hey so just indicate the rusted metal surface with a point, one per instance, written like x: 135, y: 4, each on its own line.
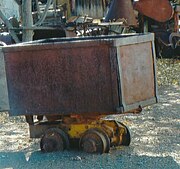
x: 121, y: 9
x: 54, y: 139
x: 138, y: 79
x: 133, y: 49
x: 62, y: 78
x: 87, y: 76
x: 94, y: 141
x: 159, y: 10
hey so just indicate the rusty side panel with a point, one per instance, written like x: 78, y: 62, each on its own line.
x: 159, y: 10
x: 61, y: 79
x: 137, y: 72
x: 4, y: 104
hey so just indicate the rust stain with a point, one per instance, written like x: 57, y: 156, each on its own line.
x: 71, y: 78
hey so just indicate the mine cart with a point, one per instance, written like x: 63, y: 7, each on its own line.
x: 66, y: 87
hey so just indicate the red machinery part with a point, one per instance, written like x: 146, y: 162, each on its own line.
x: 159, y: 10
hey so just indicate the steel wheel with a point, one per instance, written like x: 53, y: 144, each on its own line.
x: 107, y: 143
x: 126, y: 136
x: 54, y: 139
x: 95, y: 141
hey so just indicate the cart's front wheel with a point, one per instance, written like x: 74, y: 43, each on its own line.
x: 54, y: 139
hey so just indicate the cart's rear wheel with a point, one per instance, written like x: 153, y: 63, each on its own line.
x: 54, y: 139
x: 126, y: 136
x: 95, y: 141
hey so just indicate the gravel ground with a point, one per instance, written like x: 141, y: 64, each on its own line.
x: 168, y: 71
x: 155, y: 136
x: 155, y: 142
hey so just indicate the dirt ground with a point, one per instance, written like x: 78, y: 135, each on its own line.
x: 155, y: 142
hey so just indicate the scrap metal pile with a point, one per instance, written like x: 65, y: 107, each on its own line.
x: 158, y: 16
x: 59, y: 18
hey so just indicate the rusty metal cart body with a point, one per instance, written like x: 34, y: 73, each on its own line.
x: 65, y: 87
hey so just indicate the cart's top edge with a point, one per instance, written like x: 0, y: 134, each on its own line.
x: 122, y: 39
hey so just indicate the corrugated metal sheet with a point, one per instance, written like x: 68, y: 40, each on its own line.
x: 92, y: 8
